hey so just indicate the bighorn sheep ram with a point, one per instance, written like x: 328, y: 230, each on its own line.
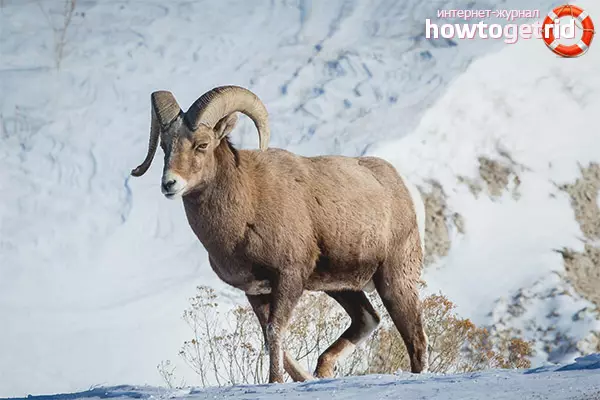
x: 275, y: 224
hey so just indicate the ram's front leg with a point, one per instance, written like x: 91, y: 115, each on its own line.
x: 285, y: 295
x: 261, y: 304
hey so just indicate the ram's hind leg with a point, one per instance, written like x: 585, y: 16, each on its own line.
x: 261, y: 304
x: 397, y: 286
x: 364, y: 321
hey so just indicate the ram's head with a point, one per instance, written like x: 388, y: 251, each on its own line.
x: 189, y: 139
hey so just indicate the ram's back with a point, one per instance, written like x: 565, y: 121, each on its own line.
x: 354, y: 209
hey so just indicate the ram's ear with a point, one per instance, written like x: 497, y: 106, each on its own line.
x: 225, y: 125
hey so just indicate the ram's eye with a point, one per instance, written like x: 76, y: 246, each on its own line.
x: 201, y: 146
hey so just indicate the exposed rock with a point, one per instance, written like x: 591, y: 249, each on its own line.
x: 584, y: 200
x: 472, y: 184
x: 583, y: 268
x: 495, y: 177
x: 438, y: 222
x: 583, y: 271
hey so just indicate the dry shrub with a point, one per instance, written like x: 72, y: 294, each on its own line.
x: 455, y: 344
x: 167, y: 372
x: 317, y: 322
x: 227, y: 347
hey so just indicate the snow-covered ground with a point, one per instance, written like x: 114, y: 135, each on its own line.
x: 576, y: 381
x: 96, y: 268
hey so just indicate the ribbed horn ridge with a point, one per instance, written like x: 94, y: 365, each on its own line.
x: 221, y: 101
x: 166, y: 107
x: 164, y: 110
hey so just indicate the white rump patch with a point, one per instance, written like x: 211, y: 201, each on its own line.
x: 419, y: 208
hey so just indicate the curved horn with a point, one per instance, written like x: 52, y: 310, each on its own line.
x: 221, y: 101
x: 164, y: 110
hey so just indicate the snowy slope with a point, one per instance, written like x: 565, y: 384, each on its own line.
x: 95, y: 268
x: 577, y: 381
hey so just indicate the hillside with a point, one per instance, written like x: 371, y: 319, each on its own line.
x: 96, y: 267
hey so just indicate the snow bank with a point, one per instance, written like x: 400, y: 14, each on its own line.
x: 576, y: 381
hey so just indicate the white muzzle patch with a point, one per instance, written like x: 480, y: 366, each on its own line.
x: 173, y: 185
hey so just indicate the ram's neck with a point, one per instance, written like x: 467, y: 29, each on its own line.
x: 218, y: 214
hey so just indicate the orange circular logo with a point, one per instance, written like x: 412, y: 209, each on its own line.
x: 577, y: 14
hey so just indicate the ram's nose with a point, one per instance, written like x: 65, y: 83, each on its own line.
x: 173, y: 185
x: 166, y: 186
